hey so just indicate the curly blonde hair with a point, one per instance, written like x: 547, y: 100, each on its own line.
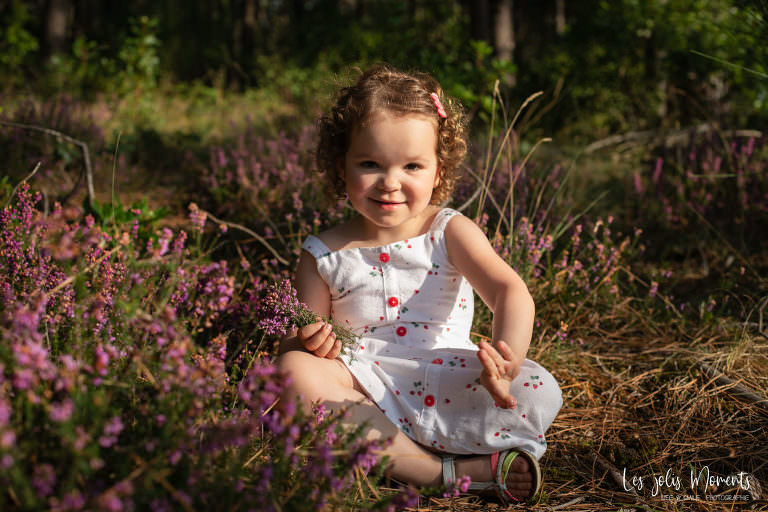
x: 384, y: 88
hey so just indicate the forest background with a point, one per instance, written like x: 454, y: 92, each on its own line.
x: 157, y: 177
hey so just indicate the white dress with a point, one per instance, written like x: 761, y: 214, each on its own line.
x: 413, y: 311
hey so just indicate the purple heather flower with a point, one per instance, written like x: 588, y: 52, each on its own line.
x: 654, y: 289
x: 7, y: 439
x: 73, y: 500
x: 62, y: 411
x: 164, y: 241
x: 409, y: 498
x: 44, y: 479
x: 111, y: 431
x: 197, y: 217
x: 5, y: 411
x: 160, y: 505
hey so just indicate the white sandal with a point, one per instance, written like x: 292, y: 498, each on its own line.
x: 500, y: 471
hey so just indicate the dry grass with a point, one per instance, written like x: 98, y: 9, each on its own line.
x: 641, y: 403
x: 637, y: 399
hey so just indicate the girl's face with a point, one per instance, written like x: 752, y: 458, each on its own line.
x: 390, y: 170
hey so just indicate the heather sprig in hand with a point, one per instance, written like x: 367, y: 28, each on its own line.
x: 281, y: 309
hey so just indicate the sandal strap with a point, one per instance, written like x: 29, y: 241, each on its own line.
x: 449, y: 470
x: 537, y: 475
x: 502, y: 464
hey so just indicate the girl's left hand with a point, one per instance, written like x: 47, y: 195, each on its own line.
x: 500, y: 367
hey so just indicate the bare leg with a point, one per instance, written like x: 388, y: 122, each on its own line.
x: 330, y: 382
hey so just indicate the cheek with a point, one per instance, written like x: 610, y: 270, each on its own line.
x: 356, y: 185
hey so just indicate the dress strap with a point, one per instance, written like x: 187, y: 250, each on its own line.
x: 315, y: 247
x: 442, y: 218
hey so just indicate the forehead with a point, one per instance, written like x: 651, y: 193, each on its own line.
x: 388, y: 136
x: 388, y: 125
x: 389, y: 115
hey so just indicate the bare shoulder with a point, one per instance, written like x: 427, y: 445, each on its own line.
x: 462, y: 233
x: 339, y: 236
x: 475, y: 258
x: 468, y: 247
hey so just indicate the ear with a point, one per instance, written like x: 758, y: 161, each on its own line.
x: 340, y: 168
x: 437, y: 176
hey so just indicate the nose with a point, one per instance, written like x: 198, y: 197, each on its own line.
x: 390, y: 181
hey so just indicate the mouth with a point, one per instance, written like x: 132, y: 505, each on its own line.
x: 387, y: 203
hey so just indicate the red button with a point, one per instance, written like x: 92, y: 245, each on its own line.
x: 393, y: 301
x: 383, y: 257
x: 401, y: 331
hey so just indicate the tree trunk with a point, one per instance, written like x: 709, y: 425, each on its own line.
x: 249, y: 35
x: 504, y: 31
x: 504, y: 37
x: 560, y: 17
x: 58, y: 24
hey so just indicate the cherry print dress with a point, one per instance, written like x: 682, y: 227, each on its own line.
x: 413, y: 311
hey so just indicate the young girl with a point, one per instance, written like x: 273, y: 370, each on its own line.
x: 401, y: 274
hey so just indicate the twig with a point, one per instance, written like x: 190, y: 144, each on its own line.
x: 760, y: 310
x: 255, y: 235
x: 13, y: 192
x: 567, y: 503
x: 71, y: 278
x: 81, y: 144
x: 614, y: 472
x: 661, y: 295
x: 734, y: 387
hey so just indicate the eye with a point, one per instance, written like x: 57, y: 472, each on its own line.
x: 369, y: 164
x: 413, y: 166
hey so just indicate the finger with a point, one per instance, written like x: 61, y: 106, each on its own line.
x: 317, y: 339
x: 497, y: 359
x: 505, y: 351
x: 326, y: 347
x: 335, y: 351
x: 489, y: 366
x: 309, y: 330
x: 502, y: 395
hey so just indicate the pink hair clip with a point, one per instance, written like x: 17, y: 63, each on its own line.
x: 438, y: 105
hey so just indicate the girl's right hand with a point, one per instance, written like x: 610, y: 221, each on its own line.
x: 320, y: 340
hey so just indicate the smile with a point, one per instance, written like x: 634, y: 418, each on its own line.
x: 394, y: 203
x: 387, y: 205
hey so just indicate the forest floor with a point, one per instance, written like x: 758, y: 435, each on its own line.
x: 648, y: 407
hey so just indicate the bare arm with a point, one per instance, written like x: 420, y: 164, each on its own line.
x: 312, y: 291
x: 505, y: 293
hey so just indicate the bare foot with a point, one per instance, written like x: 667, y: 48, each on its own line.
x: 519, y: 478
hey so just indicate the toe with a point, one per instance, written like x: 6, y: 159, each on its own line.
x: 520, y: 478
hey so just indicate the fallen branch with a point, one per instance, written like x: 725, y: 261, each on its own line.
x: 674, y: 138
x: 734, y: 387
x: 567, y: 504
x: 83, y: 146
x: 250, y: 232
x: 16, y: 188
x: 614, y: 472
